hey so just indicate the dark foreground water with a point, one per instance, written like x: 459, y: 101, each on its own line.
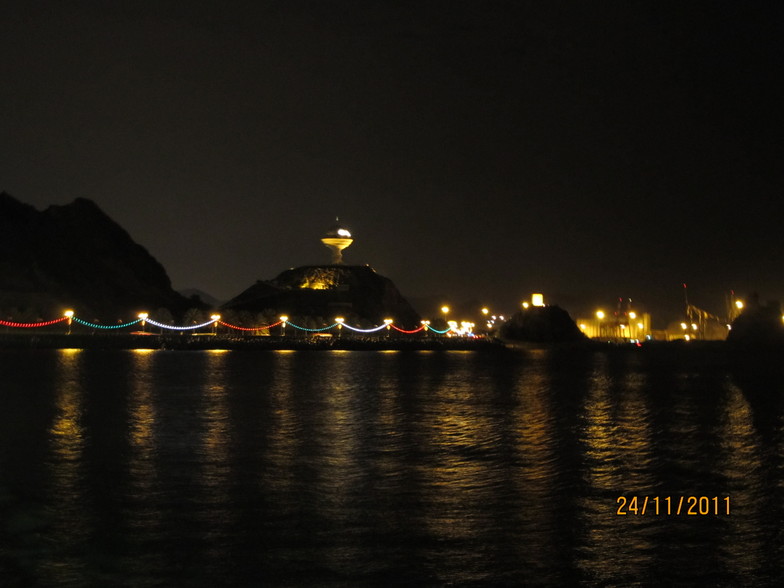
x: 330, y: 468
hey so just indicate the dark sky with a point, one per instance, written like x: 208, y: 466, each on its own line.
x: 477, y: 150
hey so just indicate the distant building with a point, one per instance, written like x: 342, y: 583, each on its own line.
x: 623, y: 325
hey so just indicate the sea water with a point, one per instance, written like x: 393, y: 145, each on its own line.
x: 367, y: 468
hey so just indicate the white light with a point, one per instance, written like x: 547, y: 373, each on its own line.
x: 343, y: 233
x: 537, y: 299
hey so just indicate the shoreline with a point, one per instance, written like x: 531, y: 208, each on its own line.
x: 212, y: 342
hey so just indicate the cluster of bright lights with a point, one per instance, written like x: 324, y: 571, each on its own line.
x: 464, y: 329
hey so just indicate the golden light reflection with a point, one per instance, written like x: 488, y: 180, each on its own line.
x: 67, y: 441
x: 143, y: 442
x: 536, y: 453
x: 743, y: 465
x: 612, y: 434
x: 461, y: 481
x: 284, y: 427
x: 214, y: 453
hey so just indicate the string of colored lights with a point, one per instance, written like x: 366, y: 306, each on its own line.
x: 312, y: 330
x: 215, y: 320
x: 408, y: 332
x: 260, y: 327
x: 373, y: 330
x: 429, y: 328
x: 97, y: 326
x: 173, y: 328
x: 32, y: 325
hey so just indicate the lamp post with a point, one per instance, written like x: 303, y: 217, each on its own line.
x: 143, y: 316
x: 388, y: 322
x: 283, y: 319
x: 215, y: 318
x: 69, y: 314
x: 425, y: 324
x: 340, y: 320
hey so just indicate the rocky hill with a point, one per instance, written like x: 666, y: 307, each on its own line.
x: 75, y: 256
x: 318, y: 294
x: 542, y: 324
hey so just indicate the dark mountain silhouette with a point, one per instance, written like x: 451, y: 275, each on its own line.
x: 321, y: 293
x: 75, y: 256
x: 542, y: 324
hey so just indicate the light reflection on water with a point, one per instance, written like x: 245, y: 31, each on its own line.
x: 364, y: 468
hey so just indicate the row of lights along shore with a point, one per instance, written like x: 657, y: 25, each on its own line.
x: 465, y: 328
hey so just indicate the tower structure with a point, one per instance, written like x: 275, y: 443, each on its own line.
x: 336, y: 240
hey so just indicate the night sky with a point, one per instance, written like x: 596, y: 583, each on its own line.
x: 477, y: 150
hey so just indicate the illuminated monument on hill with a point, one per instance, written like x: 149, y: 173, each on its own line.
x: 316, y: 294
x: 336, y: 240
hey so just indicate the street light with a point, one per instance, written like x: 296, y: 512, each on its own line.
x: 283, y: 319
x: 69, y: 314
x: 215, y: 318
x: 143, y: 316
x: 388, y: 322
x: 599, y: 316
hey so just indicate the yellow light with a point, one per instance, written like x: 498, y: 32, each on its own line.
x: 583, y: 326
x: 425, y: 322
x: 687, y: 337
x: 339, y: 320
x: 537, y: 299
x: 215, y: 317
x: 388, y: 321
x: 143, y: 315
x: 283, y: 318
x: 694, y: 327
x: 623, y: 327
x: 445, y: 309
x: 600, y: 314
x: 739, y: 304
x: 640, y: 326
x: 485, y: 310
x: 632, y: 315
x: 69, y: 313
x: 526, y: 305
x: 684, y: 326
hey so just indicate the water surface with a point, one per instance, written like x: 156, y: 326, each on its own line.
x: 346, y: 468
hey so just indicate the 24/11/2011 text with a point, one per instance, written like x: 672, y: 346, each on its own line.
x: 673, y: 505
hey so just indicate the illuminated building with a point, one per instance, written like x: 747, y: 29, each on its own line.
x: 623, y: 325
